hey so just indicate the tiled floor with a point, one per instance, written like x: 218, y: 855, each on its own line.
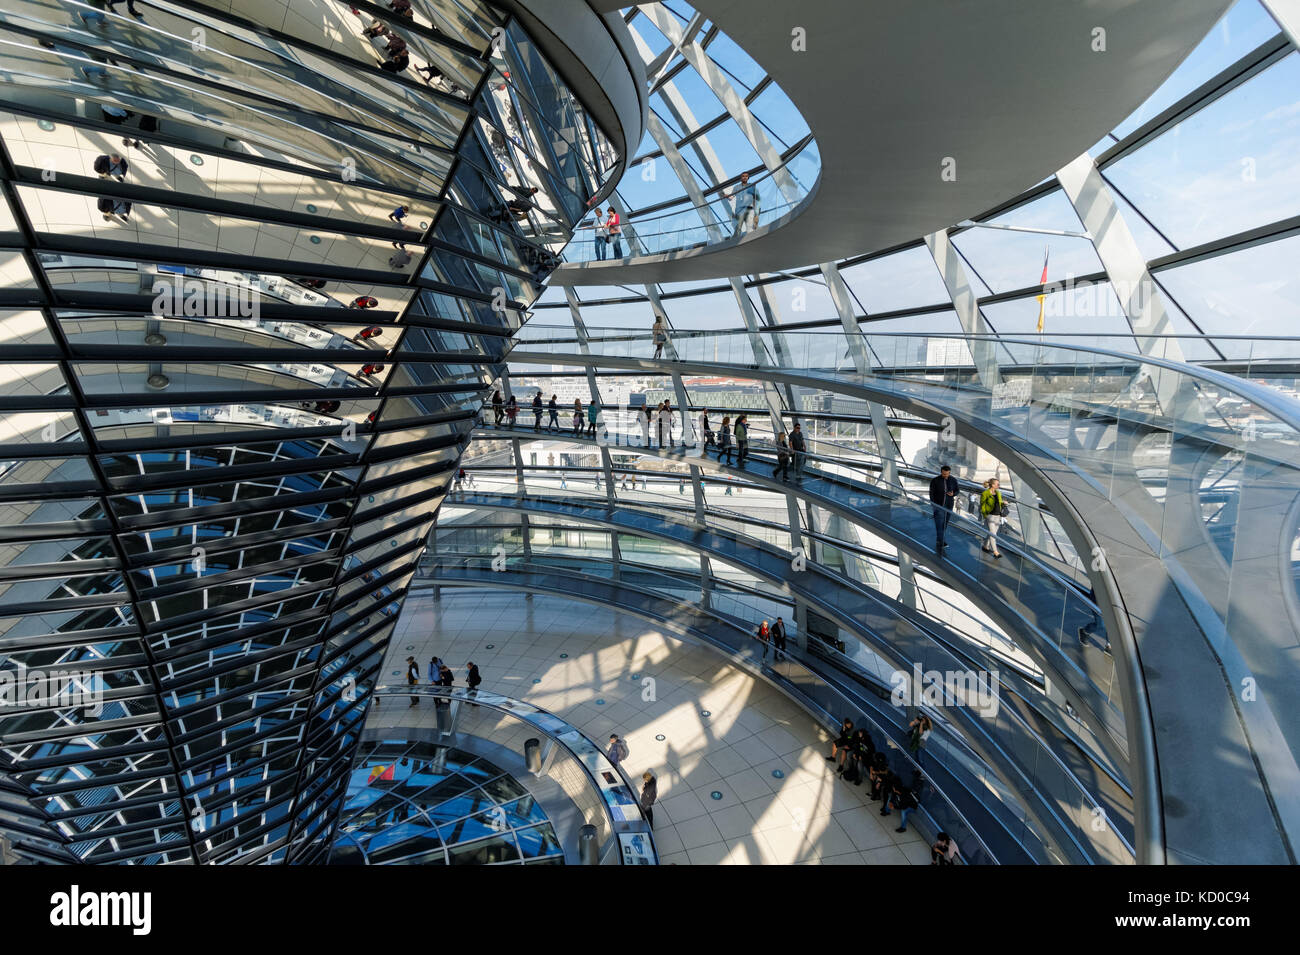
x: 622, y: 675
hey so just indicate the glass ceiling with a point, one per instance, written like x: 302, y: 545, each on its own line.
x: 1210, y: 159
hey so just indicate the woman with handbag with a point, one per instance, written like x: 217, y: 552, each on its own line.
x: 659, y: 332
x: 993, y: 509
x: 724, y: 443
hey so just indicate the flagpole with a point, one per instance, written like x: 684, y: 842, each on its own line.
x: 1042, y: 300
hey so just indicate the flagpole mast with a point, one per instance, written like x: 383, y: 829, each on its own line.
x: 1042, y: 300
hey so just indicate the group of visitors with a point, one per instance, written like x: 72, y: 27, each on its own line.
x: 440, y: 674
x: 860, y: 762
x: 115, y: 165
x: 584, y: 423
x: 992, y: 507
x: 504, y: 410
x: 656, y: 424
x: 661, y: 420
x: 608, y: 225
x: 395, y: 56
x: 790, y: 449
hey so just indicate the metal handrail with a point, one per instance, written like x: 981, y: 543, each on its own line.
x: 553, y: 728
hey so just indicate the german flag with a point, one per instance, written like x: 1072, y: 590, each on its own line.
x: 381, y: 772
x: 1042, y: 299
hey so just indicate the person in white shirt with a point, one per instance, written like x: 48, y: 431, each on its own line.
x: 665, y: 425
x: 602, y: 235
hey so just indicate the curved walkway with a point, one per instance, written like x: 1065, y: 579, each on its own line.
x: 1036, y: 607
x: 1061, y: 786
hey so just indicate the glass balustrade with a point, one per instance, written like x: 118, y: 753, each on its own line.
x: 726, y: 216
x: 599, y: 791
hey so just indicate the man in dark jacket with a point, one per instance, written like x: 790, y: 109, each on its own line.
x: 778, y: 638
x: 473, y: 679
x: 800, y: 448
x: 413, y: 677
x: 943, y: 494
x: 537, y: 411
